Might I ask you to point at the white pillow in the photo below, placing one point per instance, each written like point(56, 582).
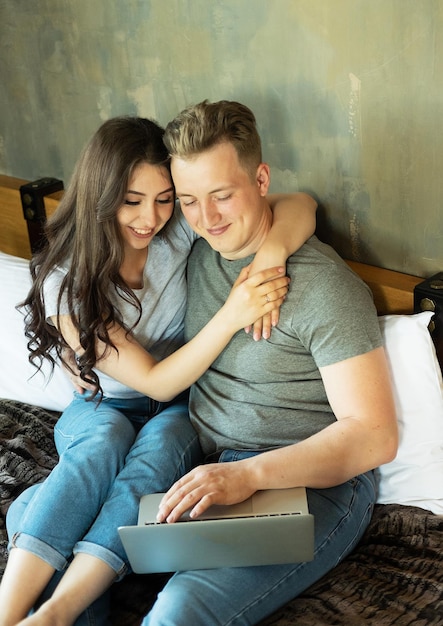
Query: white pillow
point(415, 477)
point(18, 378)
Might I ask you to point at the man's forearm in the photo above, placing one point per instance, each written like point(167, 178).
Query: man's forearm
point(330, 457)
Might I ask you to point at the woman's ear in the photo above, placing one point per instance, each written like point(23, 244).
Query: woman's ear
point(263, 178)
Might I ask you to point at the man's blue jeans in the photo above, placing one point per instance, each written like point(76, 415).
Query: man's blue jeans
point(244, 596)
point(110, 455)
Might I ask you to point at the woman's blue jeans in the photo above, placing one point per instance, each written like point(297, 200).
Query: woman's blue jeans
point(246, 595)
point(110, 455)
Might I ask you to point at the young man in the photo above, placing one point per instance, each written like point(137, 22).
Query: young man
point(310, 407)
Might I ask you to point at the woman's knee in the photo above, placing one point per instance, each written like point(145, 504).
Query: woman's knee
point(169, 439)
point(17, 509)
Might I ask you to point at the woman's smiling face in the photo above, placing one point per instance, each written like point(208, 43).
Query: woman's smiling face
point(148, 205)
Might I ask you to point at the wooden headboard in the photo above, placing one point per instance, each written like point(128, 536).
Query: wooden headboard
point(14, 236)
point(393, 291)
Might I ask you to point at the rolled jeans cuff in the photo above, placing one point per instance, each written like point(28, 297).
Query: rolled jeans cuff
point(99, 552)
point(39, 548)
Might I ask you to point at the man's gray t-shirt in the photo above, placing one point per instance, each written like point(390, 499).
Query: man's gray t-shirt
point(266, 394)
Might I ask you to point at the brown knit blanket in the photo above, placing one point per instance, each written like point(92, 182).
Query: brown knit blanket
point(394, 576)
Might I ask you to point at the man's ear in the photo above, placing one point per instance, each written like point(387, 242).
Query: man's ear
point(263, 178)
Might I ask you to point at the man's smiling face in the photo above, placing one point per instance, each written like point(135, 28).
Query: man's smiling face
point(222, 202)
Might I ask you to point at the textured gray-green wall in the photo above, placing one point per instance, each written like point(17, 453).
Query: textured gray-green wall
point(348, 95)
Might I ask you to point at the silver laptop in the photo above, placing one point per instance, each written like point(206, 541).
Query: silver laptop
point(273, 526)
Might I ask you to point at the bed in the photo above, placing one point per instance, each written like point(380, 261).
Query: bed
point(394, 576)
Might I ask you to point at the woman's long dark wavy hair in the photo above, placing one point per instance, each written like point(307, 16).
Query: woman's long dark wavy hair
point(83, 235)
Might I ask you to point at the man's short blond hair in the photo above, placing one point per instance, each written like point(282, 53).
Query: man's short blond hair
point(202, 126)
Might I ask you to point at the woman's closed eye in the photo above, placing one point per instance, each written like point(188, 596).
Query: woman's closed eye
point(167, 200)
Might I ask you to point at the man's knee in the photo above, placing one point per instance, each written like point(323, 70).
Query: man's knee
point(181, 603)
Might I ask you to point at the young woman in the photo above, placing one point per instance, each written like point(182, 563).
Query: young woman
point(110, 285)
